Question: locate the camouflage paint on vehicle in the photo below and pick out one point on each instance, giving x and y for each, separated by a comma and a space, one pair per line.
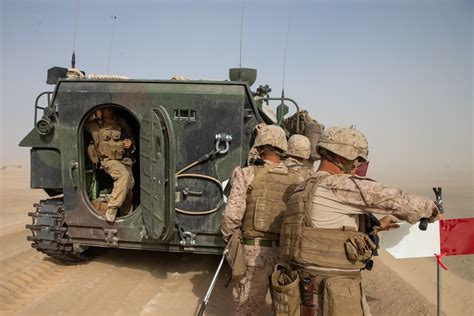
176, 123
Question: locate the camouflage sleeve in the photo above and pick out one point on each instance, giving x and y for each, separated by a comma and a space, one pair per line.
92, 128
378, 198
236, 204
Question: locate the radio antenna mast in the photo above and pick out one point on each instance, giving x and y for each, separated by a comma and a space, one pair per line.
114, 18
286, 48
73, 58
241, 33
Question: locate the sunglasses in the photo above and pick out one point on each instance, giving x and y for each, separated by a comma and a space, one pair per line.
359, 161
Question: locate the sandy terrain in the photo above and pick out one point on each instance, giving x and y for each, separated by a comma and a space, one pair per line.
125, 282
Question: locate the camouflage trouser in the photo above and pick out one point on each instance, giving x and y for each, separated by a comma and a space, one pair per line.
123, 181
250, 292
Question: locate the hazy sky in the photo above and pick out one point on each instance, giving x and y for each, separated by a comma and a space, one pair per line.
401, 71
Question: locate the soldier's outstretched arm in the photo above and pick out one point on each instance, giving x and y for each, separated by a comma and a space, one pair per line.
378, 198
236, 204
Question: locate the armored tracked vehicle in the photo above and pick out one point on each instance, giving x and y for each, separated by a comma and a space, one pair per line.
189, 136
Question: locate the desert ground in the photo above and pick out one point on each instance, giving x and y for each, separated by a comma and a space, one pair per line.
125, 282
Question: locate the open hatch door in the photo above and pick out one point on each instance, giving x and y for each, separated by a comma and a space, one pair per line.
157, 173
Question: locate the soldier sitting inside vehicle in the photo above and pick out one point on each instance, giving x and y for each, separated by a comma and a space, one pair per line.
113, 145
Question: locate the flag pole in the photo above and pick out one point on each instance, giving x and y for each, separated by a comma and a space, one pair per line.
439, 203
438, 290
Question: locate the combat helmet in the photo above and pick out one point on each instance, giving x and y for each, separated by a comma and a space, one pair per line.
299, 146
346, 142
272, 135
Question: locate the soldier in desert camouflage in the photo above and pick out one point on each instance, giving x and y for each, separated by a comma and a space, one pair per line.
299, 149
330, 232
326, 238
114, 144
256, 201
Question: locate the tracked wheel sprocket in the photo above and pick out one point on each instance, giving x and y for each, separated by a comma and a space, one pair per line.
49, 232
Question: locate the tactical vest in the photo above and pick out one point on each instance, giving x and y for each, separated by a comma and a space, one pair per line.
110, 143
266, 200
343, 248
301, 170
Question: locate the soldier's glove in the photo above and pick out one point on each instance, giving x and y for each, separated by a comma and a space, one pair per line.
359, 248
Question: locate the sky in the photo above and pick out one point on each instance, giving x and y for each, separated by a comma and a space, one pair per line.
400, 71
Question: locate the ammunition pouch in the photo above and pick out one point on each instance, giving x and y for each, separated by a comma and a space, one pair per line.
342, 296
329, 248
359, 248
285, 289
110, 144
234, 254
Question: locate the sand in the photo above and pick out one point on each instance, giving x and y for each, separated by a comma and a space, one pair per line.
125, 282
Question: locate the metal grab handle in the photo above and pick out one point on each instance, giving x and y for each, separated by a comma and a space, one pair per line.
72, 166
190, 192
296, 106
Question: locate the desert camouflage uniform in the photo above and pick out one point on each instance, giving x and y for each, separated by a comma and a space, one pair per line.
249, 294
302, 171
119, 169
340, 199
337, 203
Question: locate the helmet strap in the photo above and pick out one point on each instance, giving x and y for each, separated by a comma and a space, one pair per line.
345, 168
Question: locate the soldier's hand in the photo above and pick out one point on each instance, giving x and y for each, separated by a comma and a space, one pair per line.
127, 143
388, 222
98, 114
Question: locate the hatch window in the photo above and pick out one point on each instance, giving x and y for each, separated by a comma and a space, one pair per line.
184, 114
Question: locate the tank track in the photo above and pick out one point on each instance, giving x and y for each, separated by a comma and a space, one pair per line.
49, 232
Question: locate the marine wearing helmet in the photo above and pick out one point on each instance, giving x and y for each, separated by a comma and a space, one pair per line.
346, 143
299, 150
330, 239
256, 203
273, 136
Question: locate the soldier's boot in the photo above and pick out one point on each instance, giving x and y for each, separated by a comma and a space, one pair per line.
111, 214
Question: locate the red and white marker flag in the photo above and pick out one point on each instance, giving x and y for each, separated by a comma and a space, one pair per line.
447, 237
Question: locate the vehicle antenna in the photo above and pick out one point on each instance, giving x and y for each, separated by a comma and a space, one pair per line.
241, 32
73, 59
114, 18
286, 48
